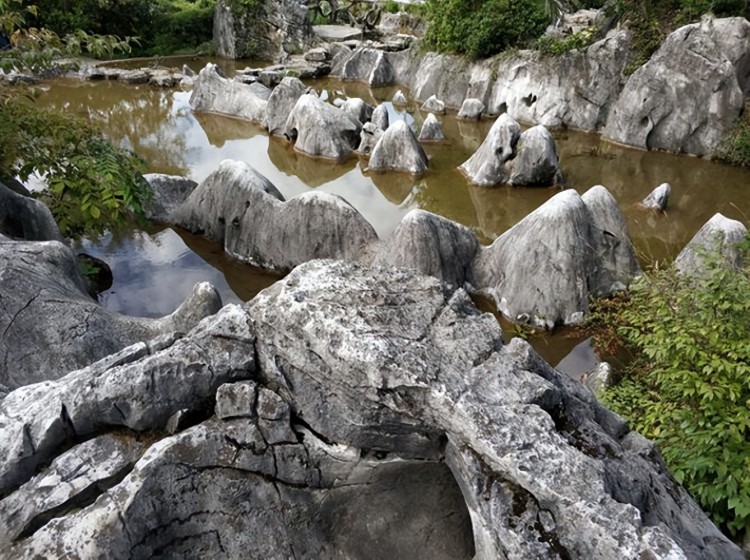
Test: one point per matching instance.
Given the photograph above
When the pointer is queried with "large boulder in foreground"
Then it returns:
(23, 217)
(688, 96)
(242, 210)
(487, 167)
(359, 413)
(51, 326)
(216, 94)
(398, 150)
(715, 243)
(320, 129)
(545, 268)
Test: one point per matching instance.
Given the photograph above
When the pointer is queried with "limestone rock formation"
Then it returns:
(720, 235)
(434, 105)
(280, 103)
(380, 117)
(472, 109)
(658, 198)
(214, 93)
(170, 191)
(545, 268)
(432, 130)
(536, 162)
(432, 245)
(369, 138)
(357, 108)
(399, 150)
(50, 325)
(368, 65)
(487, 166)
(364, 413)
(399, 98)
(319, 129)
(667, 105)
(243, 211)
(23, 217)
(263, 30)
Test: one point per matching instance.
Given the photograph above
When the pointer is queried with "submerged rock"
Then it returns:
(243, 211)
(471, 109)
(658, 198)
(487, 166)
(432, 245)
(319, 129)
(352, 395)
(667, 103)
(536, 162)
(214, 93)
(545, 268)
(715, 243)
(23, 217)
(432, 130)
(380, 117)
(51, 326)
(281, 102)
(399, 150)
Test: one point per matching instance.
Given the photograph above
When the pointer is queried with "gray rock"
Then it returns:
(370, 66)
(536, 162)
(271, 77)
(545, 268)
(399, 98)
(319, 129)
(472, 109)
(265, 30)
(667, 105)
(369, 138)
(392, 423)
(318, 54)
(658, 198)
(717, 238)
(280, 103)
(244, 212)
(434, 105)
(261, 90)
(170, 191)
(134, 76)
(51, 326)
(236, 400)
(487, 166)
(399, 150)
(214, 93)
(432, 130)
(357, 108)
(164, 79)
(23, 217)
(432, 245)
(188, 72)
(380, 117)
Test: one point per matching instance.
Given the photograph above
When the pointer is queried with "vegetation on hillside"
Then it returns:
(92, 185)
(687, 386)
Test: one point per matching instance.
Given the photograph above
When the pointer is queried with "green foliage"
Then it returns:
(93, 185)
(391, 7)
(736, 149)
(688, 387)
(482, 28)
(576, 41)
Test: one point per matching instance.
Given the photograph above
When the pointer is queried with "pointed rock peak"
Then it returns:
(432, 130)
(399, 150)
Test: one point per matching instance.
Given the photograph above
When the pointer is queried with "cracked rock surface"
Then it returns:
(359, 413)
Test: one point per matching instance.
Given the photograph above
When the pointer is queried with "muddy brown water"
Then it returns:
(155, 269)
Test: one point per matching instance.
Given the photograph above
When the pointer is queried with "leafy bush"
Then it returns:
(688, 387)
(391, 7)
(736, 149)
(575, 41)
(481, 28)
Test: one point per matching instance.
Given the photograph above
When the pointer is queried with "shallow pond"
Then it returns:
(155, 270)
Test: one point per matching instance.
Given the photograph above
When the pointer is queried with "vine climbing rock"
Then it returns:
(261, 29)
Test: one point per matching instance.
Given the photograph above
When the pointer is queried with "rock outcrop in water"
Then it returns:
(718, 237)
(281, 102)
(399, 150)
(535, 162)
(359, 413)
(243, 211)
(432, 130)
(487, 166)
(51, 326)
(658, 198)
(214, 93)
(22, 217)
(262, 30)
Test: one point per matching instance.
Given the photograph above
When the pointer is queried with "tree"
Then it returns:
(92, 185)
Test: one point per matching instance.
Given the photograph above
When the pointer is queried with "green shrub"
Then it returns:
(391, 7)
(482, 28)
(736, 149)
(575, 41)
(688, 386)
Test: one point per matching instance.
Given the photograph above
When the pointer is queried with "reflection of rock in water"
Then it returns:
(394, 186)
(220, 129)
(311, 171)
